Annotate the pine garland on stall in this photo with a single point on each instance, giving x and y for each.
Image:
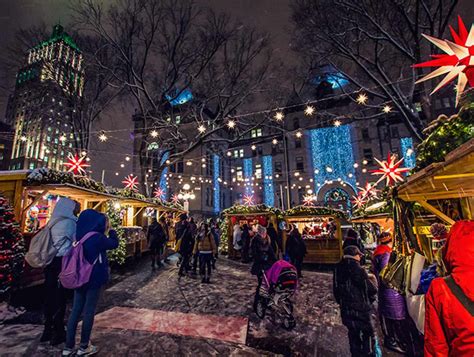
(12, 249)
(117, 255)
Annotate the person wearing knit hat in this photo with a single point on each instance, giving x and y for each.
(384, 238)
(355, 292)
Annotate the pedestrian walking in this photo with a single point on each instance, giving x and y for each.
(449, 319)
(263, 257)
(352, 238)
(237, 238)
(63, 230)
(205, 247)
(216, 233)
(245, 238)
(186, 244)
(156, 240)
(86, 297)
(296, 249)
(355, 293)
(392, 305)
(273, 235)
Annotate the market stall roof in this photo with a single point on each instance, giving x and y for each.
(453, 178)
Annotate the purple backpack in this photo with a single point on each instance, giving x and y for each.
(76, 270)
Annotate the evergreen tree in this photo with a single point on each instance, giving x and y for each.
(117, 255)
(12, 249)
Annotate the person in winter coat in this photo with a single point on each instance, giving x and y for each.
(355, 293)
(86, 297)
(185, 236)
(156, 239)
(449, 319)
(273, 235)
(263, 256)
(296, 249)
(392, 305)
(245, 238)
(237, 237)
(63, 229)
(206, 247)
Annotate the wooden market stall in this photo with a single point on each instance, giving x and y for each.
(444, 189)
(373, 220)
(321, 230)
(242, 214)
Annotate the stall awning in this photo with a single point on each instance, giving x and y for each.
(453, 178)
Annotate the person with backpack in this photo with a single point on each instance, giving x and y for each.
(62, 228)
(449, 318)
(156, 240)
(92, 230)
(205, 248)
(296, 249)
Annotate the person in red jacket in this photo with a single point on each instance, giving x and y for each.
(449, 323)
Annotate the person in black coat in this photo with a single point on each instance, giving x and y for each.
(273, 235)
(184, 234)
(156, 239)
(245, 239)
(352, 238)
(296, 249)
(355, 292)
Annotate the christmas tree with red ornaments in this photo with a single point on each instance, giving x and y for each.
(12, 249)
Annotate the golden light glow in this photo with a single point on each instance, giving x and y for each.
(103, 137)
(309, 110)
(231, 124)
(279, 116)
(337, 123)
(387, 109)
(362, 98)
(274, 141)
(154, 133)
(299, 134)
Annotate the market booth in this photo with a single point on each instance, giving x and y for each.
(445, 190)
(320, 228)
(242, 214)
(372, 221)
(34, 199)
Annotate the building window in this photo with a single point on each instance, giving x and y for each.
(365, 134)
(259, 150)
(178, 119)
(296, 123)
(368, 155)
(395, 133)
(278, 167)
(255, 133)
(258, 171)
(297, 143)
(240, 173)
(239, 153)
(299, 164)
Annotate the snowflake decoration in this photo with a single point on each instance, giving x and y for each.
(369, 191)
(248, 200)
(390, 170)
(359, 200)
(131, 182)
(159, 193)
(76, 164)
(175, 199)
(457, 61)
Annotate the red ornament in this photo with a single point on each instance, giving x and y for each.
(390, 170)
(76, 164)
(131, 182)
(248, 200)
(457, 61)
(159, 193)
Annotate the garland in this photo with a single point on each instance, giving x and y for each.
(315, 211)
(446, 134)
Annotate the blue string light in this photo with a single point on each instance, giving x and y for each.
(248, 172)
(332, 156)
(217, 188)
(268, 192)
(409, 158)
(164, 173)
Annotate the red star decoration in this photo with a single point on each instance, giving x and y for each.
(308, 200)
(390, 170)
(457, 61)
(131, 182)
(248, 200)
(369, 191)
(175, 199)
(159, 193)
(76, 164)
(359, 200)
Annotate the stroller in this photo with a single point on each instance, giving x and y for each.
(278, 286)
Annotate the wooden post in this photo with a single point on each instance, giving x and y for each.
(437, 212)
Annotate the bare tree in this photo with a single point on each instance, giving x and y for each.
(167, 49)
(374, 44)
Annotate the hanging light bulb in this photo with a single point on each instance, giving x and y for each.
(309, 110)
(154, 133)
(362, 98)
(279, 116)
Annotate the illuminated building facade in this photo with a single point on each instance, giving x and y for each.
(46, 94)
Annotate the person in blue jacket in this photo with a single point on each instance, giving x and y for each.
(87, 296)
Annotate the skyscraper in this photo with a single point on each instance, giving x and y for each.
(47, 94)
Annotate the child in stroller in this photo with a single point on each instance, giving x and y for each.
(278, 286)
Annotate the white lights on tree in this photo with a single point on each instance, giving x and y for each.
(23, 138)
(309, 110)
(127, 158)
(279, 116)
(362, 99)
(274, 141)
(337, 123)
(202, 129)
(299, 134)
(231, 124)
(102, 137)
(62, 138)
(387, 109)
(154, 133)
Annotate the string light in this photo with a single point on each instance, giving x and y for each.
(362, 98)
(279, 116)
(337, 123)
(274, 141)
(62, 138)
(154, 133)
(253, 147)
(127, 158)
(387, 109)
(231, 124)
(23, 138)
(103, 137)
(309, 110)
(201, 129)
(229, 153)
(299, 134)
(122, 166)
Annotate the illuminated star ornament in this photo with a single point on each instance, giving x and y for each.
(390, 170)
(308, 200)
(369, 191)
(457, 61)
(359, 200)
(248, 200)
(76, 164)
(159, 193)
(131, 182)
(175, 199)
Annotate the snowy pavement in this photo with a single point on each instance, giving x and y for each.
(145, 313)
